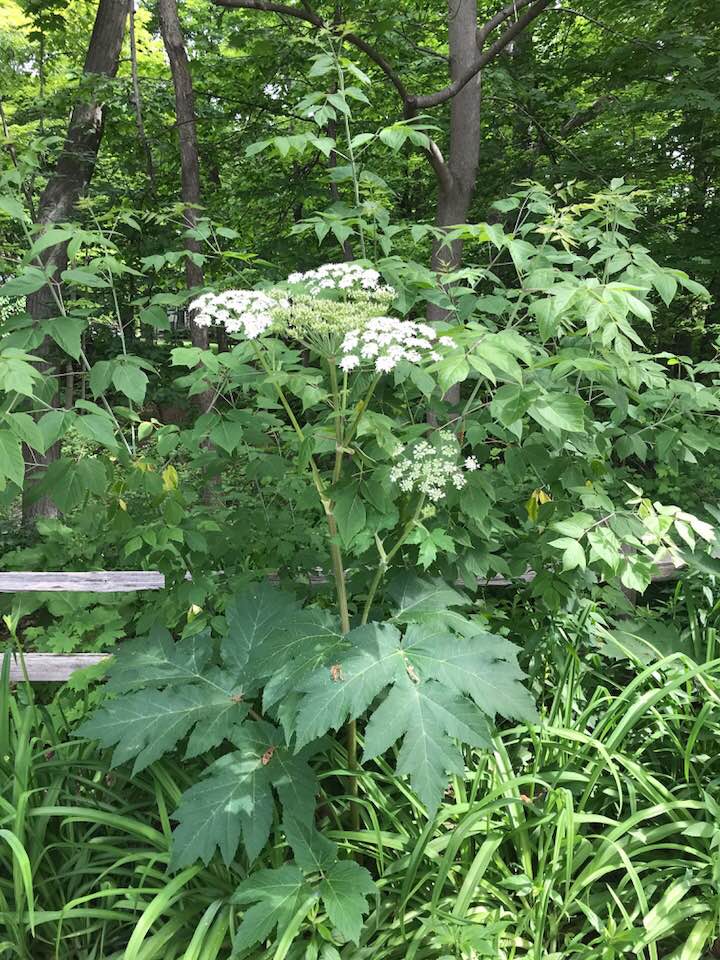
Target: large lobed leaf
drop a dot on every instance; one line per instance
(443, 688)
(234, 799)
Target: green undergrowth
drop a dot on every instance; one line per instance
(592, 834)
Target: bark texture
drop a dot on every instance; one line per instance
(66, 186)
(189, 155)
(137, 97)
(457, 175)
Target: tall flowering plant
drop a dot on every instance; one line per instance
(530, 468)
(339, 314)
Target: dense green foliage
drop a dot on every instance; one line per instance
(377, 753)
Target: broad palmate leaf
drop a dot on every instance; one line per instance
(172, 688)
(443, 687)
(235, 799)
(429, 718)
(147, 724)
(276, 896)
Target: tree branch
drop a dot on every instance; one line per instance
(269, 6)
(585, 116)
(447, 93)
(500, 17)
(307, 14)
(603, 26)
(412, 102)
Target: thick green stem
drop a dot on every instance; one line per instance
(351, 729)
(361, 408)
(387, 559)
(351, 158)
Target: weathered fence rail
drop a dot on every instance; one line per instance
(58, 667)
(120, 581)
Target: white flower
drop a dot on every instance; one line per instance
(349, 362)
(389, 341)
(348, 277)
(446, 341)
(384, 364)
(250, 312)
(471, 464)
(429, 468)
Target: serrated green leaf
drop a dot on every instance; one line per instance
(344, 890)
(233, 799)
(84, 278)
(100, 377)
(29, 281)
(346, 689)
(12, 463)
(13, 208)
(145, 725)
(559, 412)
(26, 429)
(292, 653)
(131, 381)
(98, 428)
(158, 659)
(415, 597)
(311, 849)
(67, 334)
(426, 716)
(349, 511)
(483, 666)
(252, 617)
(276, 896)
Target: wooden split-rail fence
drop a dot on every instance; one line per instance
(56, 667)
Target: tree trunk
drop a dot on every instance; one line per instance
(189, 155)
(457, 175)
(69, 182)
(142, 136)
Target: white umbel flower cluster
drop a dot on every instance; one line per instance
(385, 341)
(350, 278)
(249, 312)
(429, 468)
